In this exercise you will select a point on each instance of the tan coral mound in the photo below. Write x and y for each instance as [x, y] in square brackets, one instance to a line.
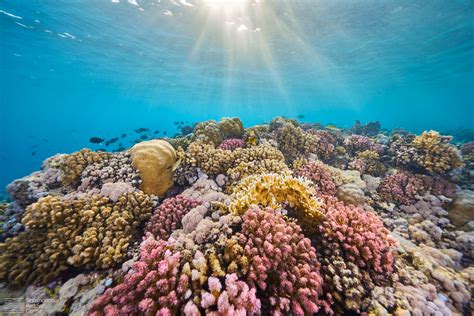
[75, 163]
[273, 190]
[60, 234]
[155, 160]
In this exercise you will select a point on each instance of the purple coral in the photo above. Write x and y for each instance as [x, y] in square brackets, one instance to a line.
[168, 216]
[359, 143]
[320, 175]
[232, 144]
[401, 188]
[283, 264]
[155, 285]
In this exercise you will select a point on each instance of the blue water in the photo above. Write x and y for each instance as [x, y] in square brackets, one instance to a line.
[70, 70]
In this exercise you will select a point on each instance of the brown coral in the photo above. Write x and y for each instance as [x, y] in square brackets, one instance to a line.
[60, 234]
[294, 142]
[75, 163]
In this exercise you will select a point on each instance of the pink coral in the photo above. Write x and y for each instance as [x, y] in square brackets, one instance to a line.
[359, 143]
[232, 144]
[283, 264]
[320, 175]
[401, 188]
[167, 217]
[356, 252]
[359, 234]
[325, 145]
[155, 285]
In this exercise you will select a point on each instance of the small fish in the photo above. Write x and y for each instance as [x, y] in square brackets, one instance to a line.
[141, 130]
[107, 143]
[124, 135]
[113, 140]
[300, 116]
[96, 140]
[120, 144]
[164, 133]
[175, 123]
[332, 127]
[144, 136]
[34, 146]
[33, 153]
[44, 140]
[156, 132]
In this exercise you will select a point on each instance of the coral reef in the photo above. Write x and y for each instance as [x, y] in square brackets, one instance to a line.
[61, 234]
[155, 160]
[280, 218]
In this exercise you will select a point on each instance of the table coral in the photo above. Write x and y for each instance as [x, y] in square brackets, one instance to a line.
[167, 217]
[283, 264]
[320, 175]
[274, 191]
[60, 234]
[155, 160]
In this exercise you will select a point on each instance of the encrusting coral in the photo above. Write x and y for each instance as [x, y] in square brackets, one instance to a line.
[273, 190]
[61, 234]
[155, 160]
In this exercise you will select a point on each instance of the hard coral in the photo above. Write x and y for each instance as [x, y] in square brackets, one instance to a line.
[275, 191]
[167, 217]
[212, 132]
[353, 244]
[294, 142]
[60, 234]
[357, 143]
[435, 154]
[232, 144]
[75, 163]
[368, 162]
[401, 188]
[320, 175]
[155, 160]
[283, 264]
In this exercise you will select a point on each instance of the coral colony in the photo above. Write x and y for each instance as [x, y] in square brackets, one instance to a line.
[282, 218]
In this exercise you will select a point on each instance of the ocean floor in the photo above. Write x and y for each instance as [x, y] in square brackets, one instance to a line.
[285, 218]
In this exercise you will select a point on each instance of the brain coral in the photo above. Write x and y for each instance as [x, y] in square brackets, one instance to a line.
[60, 234]
[283, 264]
[275, 191]
[320, 175]
[167, 217]
[75, 163]
[352, 244]
[155, 160]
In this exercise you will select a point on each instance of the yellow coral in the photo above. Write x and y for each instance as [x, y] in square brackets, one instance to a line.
[60, 234]
[75, 163]
[155, 160]
[435, 155]
[294, 142]
[273, 190]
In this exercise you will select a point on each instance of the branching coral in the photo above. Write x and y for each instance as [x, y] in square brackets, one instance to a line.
[61, 234]
[356, 251]
[237, 163]
[274, 191]
[115, 167]
[283, 264]
[294, 142]
[75, 163]
[320, 175]
[401, 188]
[212, 132]
[357, 143]
[232, 144]
[435, 154]
[167, 217]
[368, 162]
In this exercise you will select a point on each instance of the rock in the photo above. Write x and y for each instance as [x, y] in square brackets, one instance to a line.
[461, 210]
[155, 160]
[350, 193]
